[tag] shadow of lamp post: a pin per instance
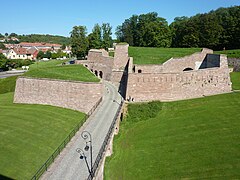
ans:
(88, 139)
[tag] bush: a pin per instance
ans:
(143, 111)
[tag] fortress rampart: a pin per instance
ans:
(74, 95)
(177, 86)
(200, 74)
(197, 75)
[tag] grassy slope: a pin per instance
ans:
(66, 72)
(29, 133)
(192, 139)
(146, 55)
(235, 53)
(235, 78)
(8, 84)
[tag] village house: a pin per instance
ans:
(22, 53)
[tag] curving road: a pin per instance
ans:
(68, 165)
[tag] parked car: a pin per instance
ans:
(72, 62)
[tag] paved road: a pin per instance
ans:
(7, 74)
(68, 166)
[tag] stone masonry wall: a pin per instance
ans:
(98, 62)
(74, 95)
(192, 61)
(121, 56)
(177, 86)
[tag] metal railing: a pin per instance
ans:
(51, 159)
(105, 143)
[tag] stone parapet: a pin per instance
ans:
(80, 96)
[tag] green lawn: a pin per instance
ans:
(30, 133)
(190, 139)
(235, 53)
(235, 78)
(148, 55)
(54, 70)
(8, 84)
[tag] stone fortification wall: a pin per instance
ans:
(121, 56)
(180, 85)
(193, 61)
(99, 63)
(155, 68)
(177, 86)
(74, 95)
(233, 62)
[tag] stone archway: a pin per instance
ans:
(96, 72)
(188, 69)
(101, 74)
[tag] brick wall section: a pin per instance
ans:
(74, 95)
(180, 85)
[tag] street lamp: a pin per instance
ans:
(83, 156)
(88, 140)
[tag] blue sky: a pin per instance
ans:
(57, 17)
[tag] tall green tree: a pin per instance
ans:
(79, 41)
(106, 35)
(145, 30)
(95, 38)
(3, 62)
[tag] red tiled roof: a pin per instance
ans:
(39, 44)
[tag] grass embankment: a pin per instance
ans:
(8, 84)
(235, 78)
(148, 55)
(235, 53)
(191, 139)
(54, 70)
(29, 133)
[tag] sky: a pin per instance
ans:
(57, 17)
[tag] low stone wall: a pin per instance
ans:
(177, 86)
(80, 96)
(192, 61)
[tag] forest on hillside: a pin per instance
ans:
(219, 29)
(36, 38)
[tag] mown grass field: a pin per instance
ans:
(54, 70)
(235, 53)
(148, 55)
(190, 139)
(235, 78)
(30, 133)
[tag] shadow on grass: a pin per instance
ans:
(2, 177)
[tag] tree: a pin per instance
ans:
(40, 55)
(2, 46)
(79, 41)
(3, 62)
(145, 30)
(63, 46)
(95, 38)
(106, 35)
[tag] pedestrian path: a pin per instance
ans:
(68, 165)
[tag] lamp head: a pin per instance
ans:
(86, 148)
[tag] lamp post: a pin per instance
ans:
(88, 140)
(83, 156)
